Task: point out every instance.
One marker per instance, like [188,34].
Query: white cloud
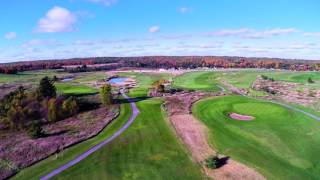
[10,35]
[252,33]
[230,32]
[57,19]
[85,42]
[310,34]
[104,2]
[154,29]
[184,10]
[41,42]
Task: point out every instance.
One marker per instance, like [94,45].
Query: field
[205,81]
[279,143]
[74,89]
[245,78]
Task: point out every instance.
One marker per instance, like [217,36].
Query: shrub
[264,77]
[310,80]
[70,107]
[35,130]
[212,162]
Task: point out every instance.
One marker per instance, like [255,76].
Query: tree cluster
[28,110]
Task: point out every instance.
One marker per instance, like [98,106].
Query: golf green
[279,143]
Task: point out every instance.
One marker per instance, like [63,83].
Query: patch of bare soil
[194,135]
[18,150]
[240,117]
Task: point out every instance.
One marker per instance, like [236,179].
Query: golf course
[279,143]
[269,138]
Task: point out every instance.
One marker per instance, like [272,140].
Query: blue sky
[51,29]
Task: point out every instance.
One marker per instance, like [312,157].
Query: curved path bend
[135,112]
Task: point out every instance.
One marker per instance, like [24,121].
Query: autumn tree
[52,110]
[70,107]
[106,94]
[159,85]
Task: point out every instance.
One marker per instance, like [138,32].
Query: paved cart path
[135,112]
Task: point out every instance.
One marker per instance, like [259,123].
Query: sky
[55,29]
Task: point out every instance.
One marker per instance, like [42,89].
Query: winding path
[135,112]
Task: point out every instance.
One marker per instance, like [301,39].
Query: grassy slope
[197,80]
[279,143]
[45,166]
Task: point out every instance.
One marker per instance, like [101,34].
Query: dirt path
[194,135]
[135,113]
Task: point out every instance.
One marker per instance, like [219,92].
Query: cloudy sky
[50,29]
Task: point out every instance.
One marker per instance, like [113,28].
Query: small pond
[67,79]
[117,80]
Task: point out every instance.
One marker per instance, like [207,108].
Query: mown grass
[298,77]
[279,143]
[205,81]
[32,77]
[72,89]
[46,166]
[148,149]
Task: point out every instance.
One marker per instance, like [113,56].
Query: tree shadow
[130,100]
[222,161]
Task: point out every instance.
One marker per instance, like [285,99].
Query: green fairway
[147,150]
[144,81]
[32,77]
[44,167]
[71,89]
[298,77]
[205,81]
[279,143]
[240,79]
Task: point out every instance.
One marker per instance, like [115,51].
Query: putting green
[205,81]
[279,143]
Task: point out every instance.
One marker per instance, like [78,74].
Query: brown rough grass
[194,135]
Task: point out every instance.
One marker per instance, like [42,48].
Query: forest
[191,62]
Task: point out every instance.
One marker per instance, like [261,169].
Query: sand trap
[241,117]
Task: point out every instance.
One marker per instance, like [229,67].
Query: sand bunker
[241,117]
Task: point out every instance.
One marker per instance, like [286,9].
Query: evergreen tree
[47,88]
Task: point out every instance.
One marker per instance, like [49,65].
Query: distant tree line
[161,62]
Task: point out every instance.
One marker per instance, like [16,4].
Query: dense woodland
[92,64]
